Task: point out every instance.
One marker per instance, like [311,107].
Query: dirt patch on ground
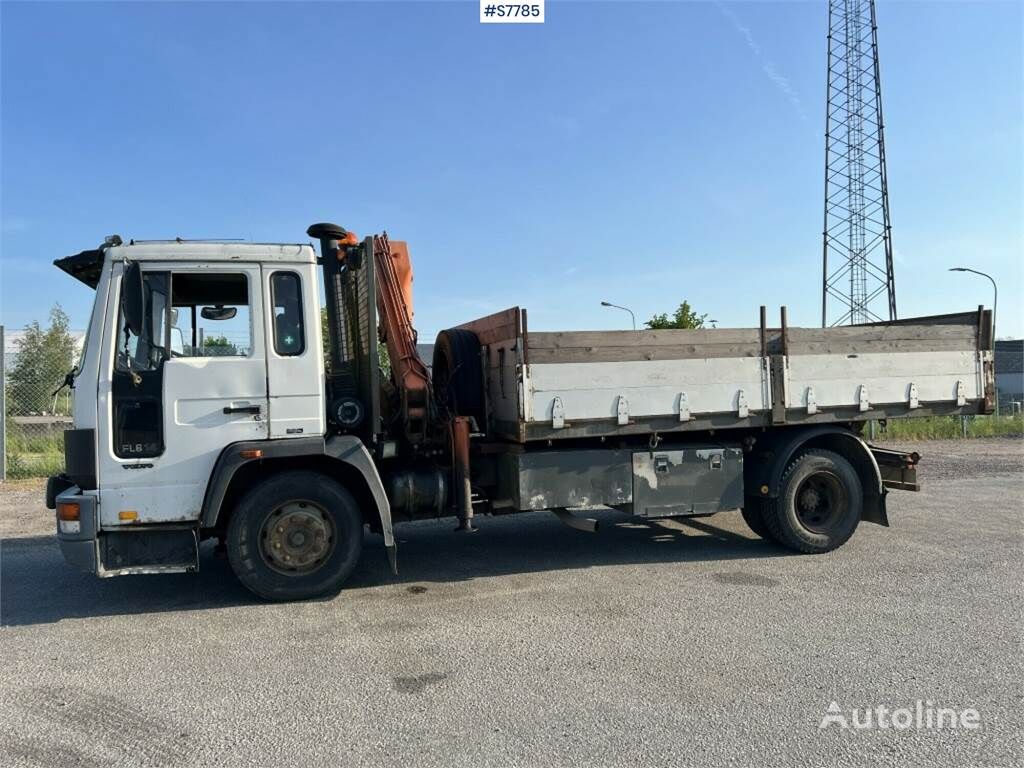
[23,509]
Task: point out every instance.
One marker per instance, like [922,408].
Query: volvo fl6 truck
[207,405]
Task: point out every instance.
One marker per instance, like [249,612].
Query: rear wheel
[294,536]
[819,503]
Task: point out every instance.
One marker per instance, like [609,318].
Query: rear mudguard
[773,451]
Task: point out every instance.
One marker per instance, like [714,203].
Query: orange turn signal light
[127,515]
[68,511]
[251,453]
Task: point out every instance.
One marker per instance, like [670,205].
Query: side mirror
[219,312]
[133,298]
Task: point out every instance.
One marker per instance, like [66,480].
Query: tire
[819,503]
[294,536]
[753,516]
[457,375]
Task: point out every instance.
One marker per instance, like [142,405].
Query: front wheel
[819,503]
[294,536]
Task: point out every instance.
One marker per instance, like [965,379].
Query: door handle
[242,409]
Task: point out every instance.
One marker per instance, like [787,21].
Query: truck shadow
[38,588]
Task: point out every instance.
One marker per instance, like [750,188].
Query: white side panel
[887,376]
[651,387]
[196,430]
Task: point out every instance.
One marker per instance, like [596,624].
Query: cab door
[192,383]
[295,367]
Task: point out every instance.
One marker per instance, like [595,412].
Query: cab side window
[286,298]
[210,315]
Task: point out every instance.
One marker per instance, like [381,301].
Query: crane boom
[394,300]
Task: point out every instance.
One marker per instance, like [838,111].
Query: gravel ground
[532,644]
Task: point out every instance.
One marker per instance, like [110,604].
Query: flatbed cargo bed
[576,384]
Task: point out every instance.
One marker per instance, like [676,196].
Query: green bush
[25,465]
[949,427]
[35,443]
[33,453]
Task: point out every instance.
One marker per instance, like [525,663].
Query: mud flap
[874,509]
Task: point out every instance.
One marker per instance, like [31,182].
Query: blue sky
[641,153]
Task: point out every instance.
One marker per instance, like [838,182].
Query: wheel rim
[821,502]
[297,538]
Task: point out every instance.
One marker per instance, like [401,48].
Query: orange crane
[394,300]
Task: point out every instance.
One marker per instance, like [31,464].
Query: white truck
[206,408]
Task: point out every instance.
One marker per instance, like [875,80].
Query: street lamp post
[995,293]
[995,302]
[624,309]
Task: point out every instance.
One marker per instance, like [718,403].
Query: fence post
[3,407]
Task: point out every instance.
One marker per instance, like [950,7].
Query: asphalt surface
[531,644]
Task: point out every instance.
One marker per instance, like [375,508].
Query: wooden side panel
[620,346]
[903,338]
[943,333]
[500,326]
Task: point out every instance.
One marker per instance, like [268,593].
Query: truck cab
[227,349]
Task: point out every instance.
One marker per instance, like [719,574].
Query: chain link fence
[35,408]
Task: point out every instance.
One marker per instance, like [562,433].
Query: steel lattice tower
[858,277]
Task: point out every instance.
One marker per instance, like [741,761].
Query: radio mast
[857,275]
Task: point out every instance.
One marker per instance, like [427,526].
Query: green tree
[684,317]
[44,359]
[218,346]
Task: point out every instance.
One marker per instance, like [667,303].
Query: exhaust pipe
[333,240]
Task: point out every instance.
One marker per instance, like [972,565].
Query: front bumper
[78,547]
[80,555]
[170,548]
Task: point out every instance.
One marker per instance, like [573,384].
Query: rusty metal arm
[407,368]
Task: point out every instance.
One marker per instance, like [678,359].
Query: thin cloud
[767,65]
